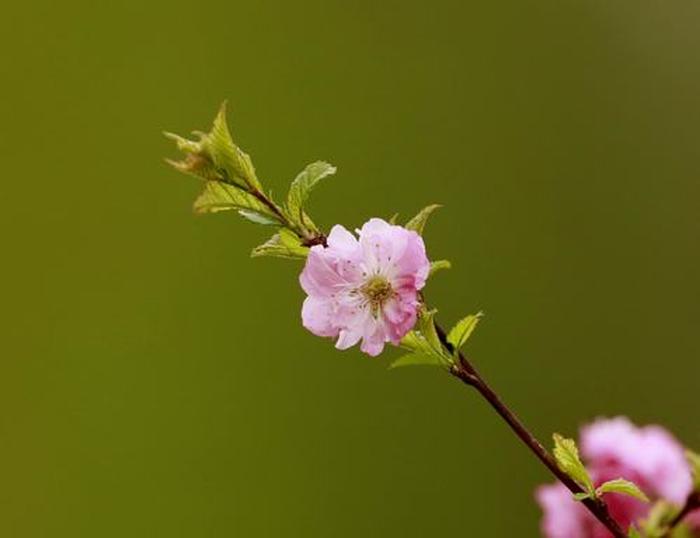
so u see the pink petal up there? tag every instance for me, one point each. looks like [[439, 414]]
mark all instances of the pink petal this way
[[374, 337], [372, 347], [319, 277], [414, 261], [342, 240], [382, 245], [348, 338], [400, 316], [316, 316]]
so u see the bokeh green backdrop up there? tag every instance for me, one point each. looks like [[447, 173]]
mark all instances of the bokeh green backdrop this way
[[156, 382]]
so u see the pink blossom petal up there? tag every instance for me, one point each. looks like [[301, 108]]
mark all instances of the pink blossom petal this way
[[414, 262], [373, 344], [316, 316], [348, 338], [342, 240], [374, 336], [401, 315], [382, 245], [319, 277]]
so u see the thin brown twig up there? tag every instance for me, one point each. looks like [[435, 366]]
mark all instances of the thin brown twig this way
[[466, 372], [692, 503]]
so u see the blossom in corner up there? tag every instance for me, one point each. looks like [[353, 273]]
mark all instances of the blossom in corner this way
[[615, 448], [365, 288]]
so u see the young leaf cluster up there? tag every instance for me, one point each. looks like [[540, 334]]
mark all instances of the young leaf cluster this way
[[424, 343], [231, 183], [567, 457]]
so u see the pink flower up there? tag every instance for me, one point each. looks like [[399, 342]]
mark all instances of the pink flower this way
[[615, 448], [364, 289]]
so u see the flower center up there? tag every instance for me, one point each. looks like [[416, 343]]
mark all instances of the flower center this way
[[377, 290]]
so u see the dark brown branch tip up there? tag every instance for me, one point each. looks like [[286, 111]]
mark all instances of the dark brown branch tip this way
[[692, 503], [319, 239]]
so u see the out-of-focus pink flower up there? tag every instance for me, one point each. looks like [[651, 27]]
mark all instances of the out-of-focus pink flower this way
[[364, 289], [615, 448]]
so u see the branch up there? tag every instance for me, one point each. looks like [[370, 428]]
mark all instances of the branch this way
[[691, 503], [466, 372], [215, 157]]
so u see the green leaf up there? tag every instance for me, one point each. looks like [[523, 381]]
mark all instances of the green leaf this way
[[218, 196], [620, 485], [228, 156], [417, 223], [694, 460], [416, 358], [258, 218], [284, 244], [183, 144], [393, 218], [426, 326], [461, 332], [439, 265], [424, 339], [302, 186], [633, 533], [566, 455], [414, 341], [581, 496]]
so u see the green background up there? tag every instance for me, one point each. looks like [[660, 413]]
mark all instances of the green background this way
[[156, 382]]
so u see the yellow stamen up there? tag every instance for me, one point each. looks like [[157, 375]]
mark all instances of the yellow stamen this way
[[377, 290]]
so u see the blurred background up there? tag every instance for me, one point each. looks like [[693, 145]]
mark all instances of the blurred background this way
[[156, 382]]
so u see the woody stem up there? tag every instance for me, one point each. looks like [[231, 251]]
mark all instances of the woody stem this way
[[465, 372], [692, 503]]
